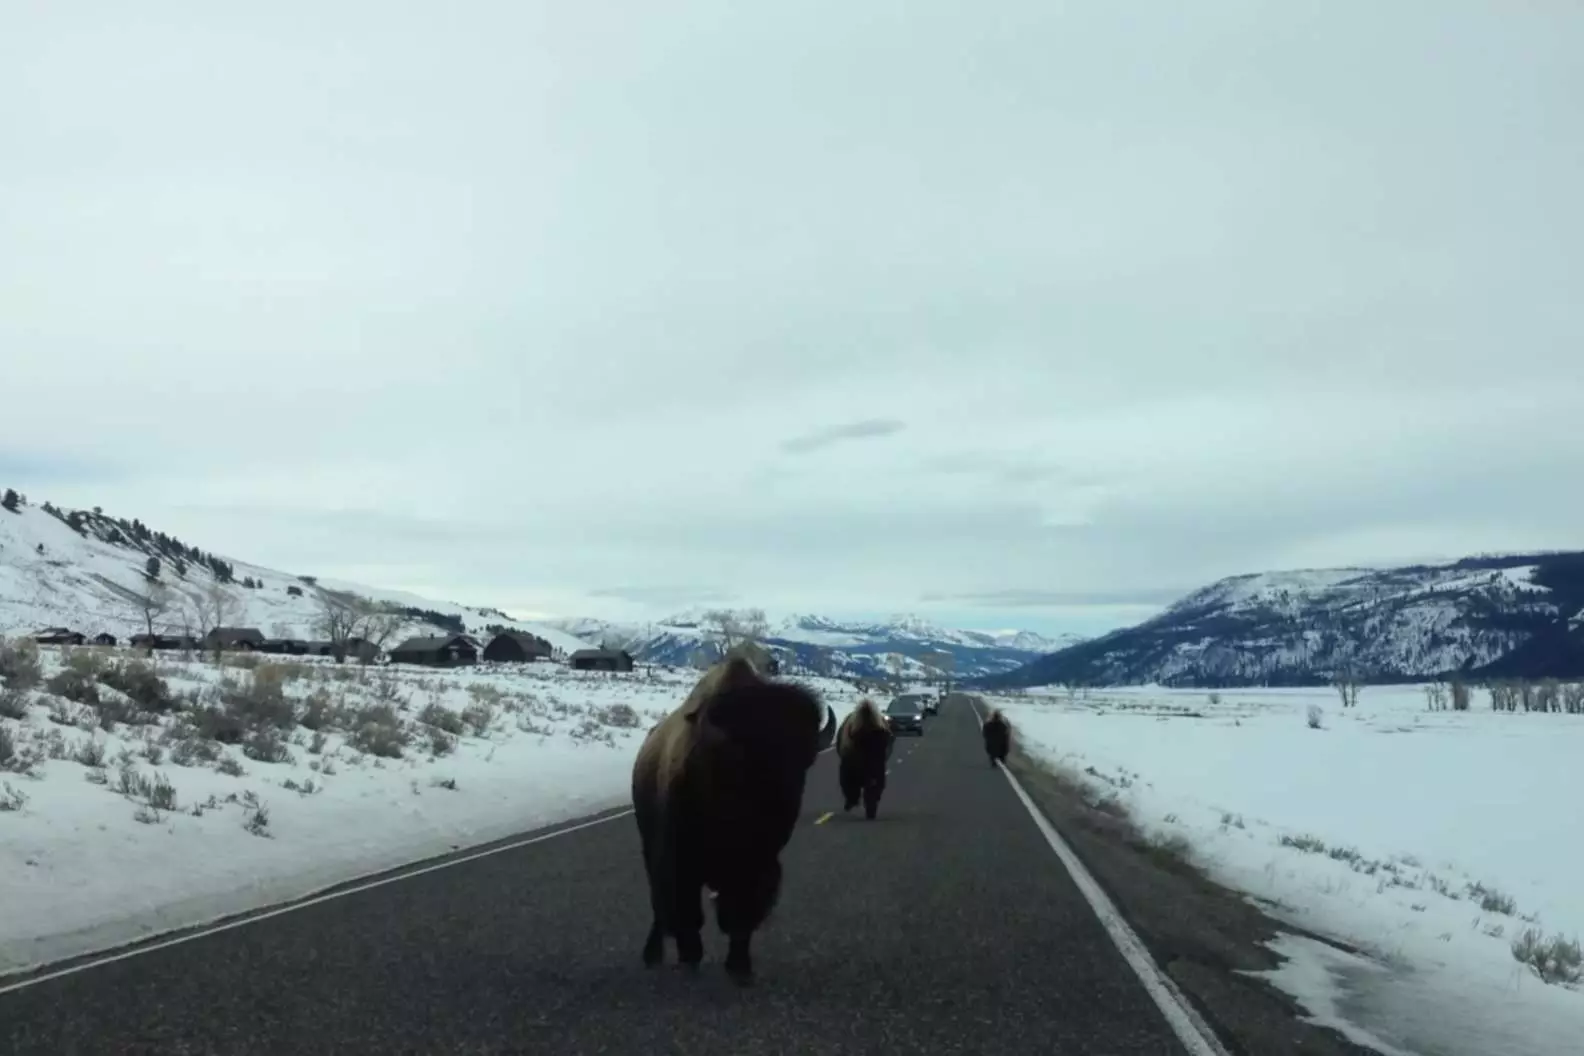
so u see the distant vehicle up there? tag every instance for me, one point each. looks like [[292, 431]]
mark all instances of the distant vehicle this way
[[926, 703], [906, 714]]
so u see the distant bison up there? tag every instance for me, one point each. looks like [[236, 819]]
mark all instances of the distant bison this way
[[863, 744], [717, 789], [997, 737]]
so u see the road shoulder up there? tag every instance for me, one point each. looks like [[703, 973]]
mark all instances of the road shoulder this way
[[1203, 936]]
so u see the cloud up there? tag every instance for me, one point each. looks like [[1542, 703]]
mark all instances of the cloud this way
[[676, 595], [1157, 300], [868, 429]]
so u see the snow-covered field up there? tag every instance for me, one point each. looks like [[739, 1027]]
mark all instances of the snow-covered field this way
[[326, 773], [1435, 841]]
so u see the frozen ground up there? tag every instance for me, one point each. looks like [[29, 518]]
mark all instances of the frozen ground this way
[[1432, 841], [111, 835]]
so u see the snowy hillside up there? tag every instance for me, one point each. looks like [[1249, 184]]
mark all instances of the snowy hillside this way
[[84, 570], [819, 643], [1498, 616]]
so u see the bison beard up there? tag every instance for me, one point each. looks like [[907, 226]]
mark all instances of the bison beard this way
[[863, 746], [997, 737], [717, 789]]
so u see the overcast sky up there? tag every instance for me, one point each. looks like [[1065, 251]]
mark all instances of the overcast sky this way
[[1014, 314]]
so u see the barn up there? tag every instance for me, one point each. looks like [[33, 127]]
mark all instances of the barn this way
[[103, 638], [59, 636], [454, 650], [517, 647], [242, 639], [602, 660]]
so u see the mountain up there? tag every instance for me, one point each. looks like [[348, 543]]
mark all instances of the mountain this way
[[81, 569], [841, 647], [1518, 615]]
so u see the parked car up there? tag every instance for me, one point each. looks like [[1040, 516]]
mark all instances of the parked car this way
[[906, 715]]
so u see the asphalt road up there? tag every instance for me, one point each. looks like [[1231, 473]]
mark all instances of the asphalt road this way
[[945, 926]]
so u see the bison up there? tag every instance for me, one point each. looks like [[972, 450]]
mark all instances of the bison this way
[[997, 737], [717, 789], [863, 744]]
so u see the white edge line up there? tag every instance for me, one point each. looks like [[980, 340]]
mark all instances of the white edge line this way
[[357, 888], [1185, 1021]]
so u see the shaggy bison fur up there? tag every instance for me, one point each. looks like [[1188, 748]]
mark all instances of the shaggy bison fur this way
[[717, 789], [997, 737], [863, 745]]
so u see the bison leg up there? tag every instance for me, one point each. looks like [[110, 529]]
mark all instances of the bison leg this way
[[674, 898], [872, 792], [849, 788], [743, 905]]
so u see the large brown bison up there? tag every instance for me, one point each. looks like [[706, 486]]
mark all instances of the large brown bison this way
[[863, 745], [717, 789], [997, 736]]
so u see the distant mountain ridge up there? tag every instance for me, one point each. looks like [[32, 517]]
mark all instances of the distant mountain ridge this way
[[858, 648], [1502, 615]]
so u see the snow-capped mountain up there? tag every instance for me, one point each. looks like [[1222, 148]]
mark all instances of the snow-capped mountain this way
[[1519, 615], [83, 570], [858, 648]]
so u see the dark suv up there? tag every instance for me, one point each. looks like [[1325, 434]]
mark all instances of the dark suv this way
[[906, 715]]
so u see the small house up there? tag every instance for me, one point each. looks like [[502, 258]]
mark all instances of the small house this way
[[59, 636], [104, 638], [242, 639], [602, 660], [162, 641], [517, 647], [453, 650]]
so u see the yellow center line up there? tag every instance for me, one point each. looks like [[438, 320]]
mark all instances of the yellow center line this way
[[823, 818]]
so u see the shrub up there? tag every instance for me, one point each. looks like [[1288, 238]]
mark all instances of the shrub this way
[[479, 717], [1554, 959], [139, 681], [318, 712], [621, 716], [377, 730], [19, 665], [90, 752], [441, 718], [11, 798], [261, 700], [18, 757], [1314, 715], [73, 684], [440, 742], [229, 766], [13, 703], [265, 744]]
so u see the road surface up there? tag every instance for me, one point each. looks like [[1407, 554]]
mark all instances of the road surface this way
[[945, 926]]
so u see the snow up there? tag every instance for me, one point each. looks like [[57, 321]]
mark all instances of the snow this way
[[84, 867], [1398, 822]]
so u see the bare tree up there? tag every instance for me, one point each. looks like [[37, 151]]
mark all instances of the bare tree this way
[[1460, 694], [207, 611], [1347, 688], [344, 616], [731, 627], [820, 662], [151, 605]]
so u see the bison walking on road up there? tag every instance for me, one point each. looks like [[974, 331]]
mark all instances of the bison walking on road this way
[[717, 788], [997, 737], [863, 746]]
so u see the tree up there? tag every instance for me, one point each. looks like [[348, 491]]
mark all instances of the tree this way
[[150, 605], [343, 616], [12, 500], [210, 609], [151, 569], [732, 627]]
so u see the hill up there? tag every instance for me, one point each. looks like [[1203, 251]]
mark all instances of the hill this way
[[1517, 615], [818, 643], [86, 570]]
